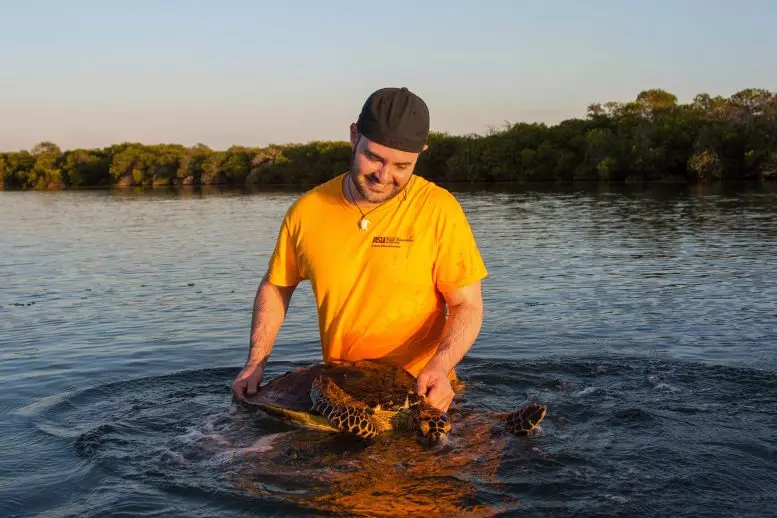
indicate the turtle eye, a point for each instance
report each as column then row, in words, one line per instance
column 423, row 427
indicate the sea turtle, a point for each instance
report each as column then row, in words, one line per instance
column 366, row 398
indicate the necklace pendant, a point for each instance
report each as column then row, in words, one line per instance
column 363, row 224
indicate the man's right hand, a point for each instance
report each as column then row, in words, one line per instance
column 248, row 380
column 270, row 306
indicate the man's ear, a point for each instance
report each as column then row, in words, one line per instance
column 354, row 135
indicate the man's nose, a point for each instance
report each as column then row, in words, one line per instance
column 383, row 174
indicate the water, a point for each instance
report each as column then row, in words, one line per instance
column 644, row 317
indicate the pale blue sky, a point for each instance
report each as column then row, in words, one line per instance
column 95, row 73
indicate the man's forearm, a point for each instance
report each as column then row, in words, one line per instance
column 270, row 306
column 461, row 330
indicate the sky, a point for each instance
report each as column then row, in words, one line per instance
column 88, row 74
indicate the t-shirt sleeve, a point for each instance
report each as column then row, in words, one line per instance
column 284, row 268
column 458, row 262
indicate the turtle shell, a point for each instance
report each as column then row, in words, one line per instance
column 375, row 384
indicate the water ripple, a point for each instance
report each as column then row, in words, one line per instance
column 643, row 315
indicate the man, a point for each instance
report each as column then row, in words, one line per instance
column 386, row 252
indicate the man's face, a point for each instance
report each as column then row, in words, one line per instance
column 379, row 172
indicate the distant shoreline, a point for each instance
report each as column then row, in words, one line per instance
column 649, row 140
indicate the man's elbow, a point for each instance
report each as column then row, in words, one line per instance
column 283, row 292
column 472, row 309
column 468, row 299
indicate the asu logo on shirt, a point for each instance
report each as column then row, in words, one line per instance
column 378, row 293
column 390, row 242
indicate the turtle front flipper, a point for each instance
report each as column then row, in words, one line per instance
column 343, row 412
column 523, row 420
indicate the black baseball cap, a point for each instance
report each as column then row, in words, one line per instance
column 396, row 118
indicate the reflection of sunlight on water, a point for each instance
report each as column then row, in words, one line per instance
column 617, row 433
column 328, row 472
column 390, row 477
column 264, row 444
column 43, row 403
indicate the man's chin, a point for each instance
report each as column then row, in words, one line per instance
column 379, row 196
column 376, row 198
column 373, row 195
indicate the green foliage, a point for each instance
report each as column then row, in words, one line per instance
column 190, row 165
column 18, row 169
column 130, row 164
column 211, row 169
column 85, row 168
column 648, row 139
column 705, row 165
column 46, row 172
column 433, row 163
column 656, row 101
column 304, row 164
column 5, row 171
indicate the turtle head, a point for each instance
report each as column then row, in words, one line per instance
column 432, row 425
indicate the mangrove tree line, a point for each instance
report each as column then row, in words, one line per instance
column 652, row 138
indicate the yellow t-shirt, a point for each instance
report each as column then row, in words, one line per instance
column 378, row 292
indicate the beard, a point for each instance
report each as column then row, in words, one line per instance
column 362, row 183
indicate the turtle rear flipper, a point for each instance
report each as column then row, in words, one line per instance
column 343, row 412
column 523, row 420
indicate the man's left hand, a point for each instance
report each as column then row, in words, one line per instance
column 436, row 386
